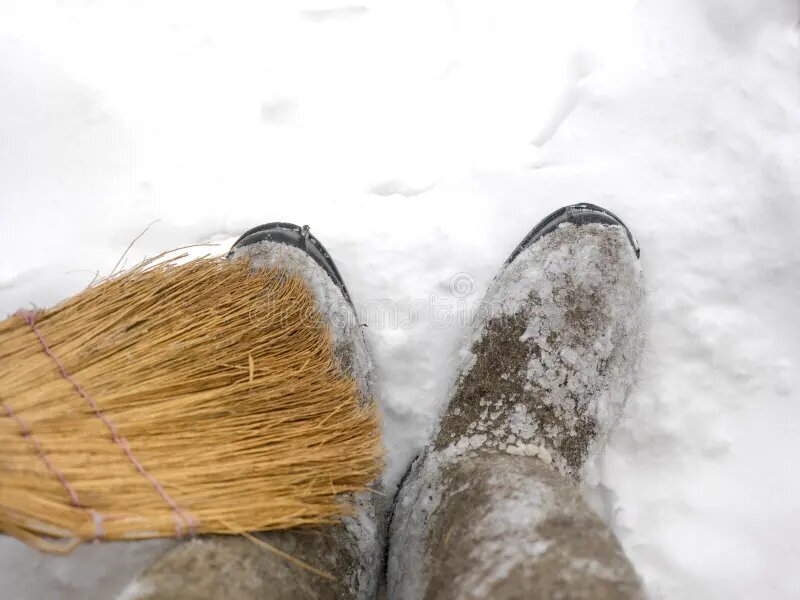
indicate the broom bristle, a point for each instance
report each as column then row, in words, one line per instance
column 177, row 399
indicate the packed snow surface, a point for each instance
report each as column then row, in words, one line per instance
column 421, row 140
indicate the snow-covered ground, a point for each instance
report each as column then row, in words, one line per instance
column 421, row 139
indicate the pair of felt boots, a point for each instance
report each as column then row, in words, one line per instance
column 490, row 509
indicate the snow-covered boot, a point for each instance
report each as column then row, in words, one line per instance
column 231, row 567
column 213, row 567
column 491, row 508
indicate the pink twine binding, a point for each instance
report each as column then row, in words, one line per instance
column 97, row 518
column 181, row 516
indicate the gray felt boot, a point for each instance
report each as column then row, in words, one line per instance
column 491, row 508
column 214, row 567
column 233, row 567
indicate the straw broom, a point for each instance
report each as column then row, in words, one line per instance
column 174, row 400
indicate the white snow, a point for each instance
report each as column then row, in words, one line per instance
column 421, row 140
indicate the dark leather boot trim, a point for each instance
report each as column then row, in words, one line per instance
column 298, row 237
column 577, row 214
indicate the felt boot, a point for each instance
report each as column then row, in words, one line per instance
column 491, row 508
column 233, row 567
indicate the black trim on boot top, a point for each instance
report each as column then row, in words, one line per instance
column 577, row 214
column 298, row 237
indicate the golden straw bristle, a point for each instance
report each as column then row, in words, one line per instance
column 174, row 399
